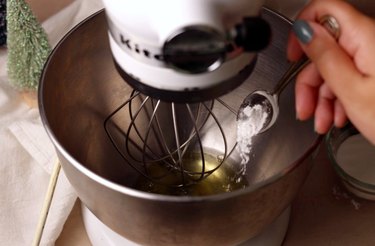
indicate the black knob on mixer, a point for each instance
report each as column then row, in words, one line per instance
column 198, row 49
column 253, row 34
column 195, row 49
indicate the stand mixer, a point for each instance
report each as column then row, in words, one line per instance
column 176, row 60
column 174, row 109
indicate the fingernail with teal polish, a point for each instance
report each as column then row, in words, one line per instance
column 303, row 31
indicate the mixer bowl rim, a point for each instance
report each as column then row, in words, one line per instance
column 141, row 194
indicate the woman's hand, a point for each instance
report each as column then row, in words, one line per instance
column 340, row 81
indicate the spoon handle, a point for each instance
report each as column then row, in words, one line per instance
column 290, row 74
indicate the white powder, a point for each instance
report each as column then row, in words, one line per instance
column 249, row 123
column 339, row 195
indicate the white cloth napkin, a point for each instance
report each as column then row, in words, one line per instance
column 27, row 155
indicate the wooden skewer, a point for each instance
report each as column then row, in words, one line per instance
column 46, row 204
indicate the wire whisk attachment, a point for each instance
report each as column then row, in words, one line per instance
column 168, row 142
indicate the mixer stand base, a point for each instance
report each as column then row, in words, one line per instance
column 100, row 234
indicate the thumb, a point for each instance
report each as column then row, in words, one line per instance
column 335, row 66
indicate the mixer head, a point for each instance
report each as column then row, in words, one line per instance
column 187, row 50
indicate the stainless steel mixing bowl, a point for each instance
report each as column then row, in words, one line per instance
column 80, row 87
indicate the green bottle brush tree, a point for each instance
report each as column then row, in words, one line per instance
column 28, row 46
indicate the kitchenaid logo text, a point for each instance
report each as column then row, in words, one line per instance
column 134, row 47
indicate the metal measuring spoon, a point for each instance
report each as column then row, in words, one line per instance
column 269, row 101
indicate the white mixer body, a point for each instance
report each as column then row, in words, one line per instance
column 139, row 31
